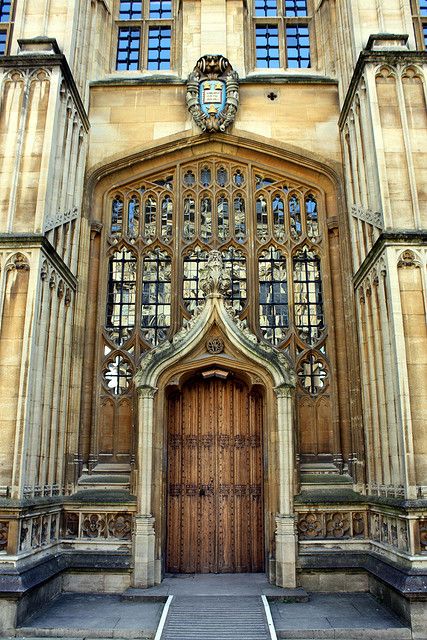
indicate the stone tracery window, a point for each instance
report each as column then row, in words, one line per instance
column 270, row 231
column 165, row 225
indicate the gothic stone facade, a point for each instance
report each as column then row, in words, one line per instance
column 213, row 348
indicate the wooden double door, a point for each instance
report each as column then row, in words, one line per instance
column 215, row 478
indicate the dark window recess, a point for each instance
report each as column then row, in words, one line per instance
column 267, row 46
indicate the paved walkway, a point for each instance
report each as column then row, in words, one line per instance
column 337, row 615
column 210, row 598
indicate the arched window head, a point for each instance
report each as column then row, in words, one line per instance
column 116, row 228
column 311, row 217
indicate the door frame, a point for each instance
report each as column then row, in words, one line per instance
column 167, row 366
column 251, row 386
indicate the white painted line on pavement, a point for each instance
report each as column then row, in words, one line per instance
column 270, row 622
column 163, row 618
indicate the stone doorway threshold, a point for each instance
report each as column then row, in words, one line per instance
column 210, row 584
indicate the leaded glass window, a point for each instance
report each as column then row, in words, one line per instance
column 144, row 35
column 121, row 296
column 194, row 262
column 171, row 221
column 273, row 295
column 6, row 8
column 235, row 265
column 156, row 296
column 419, row 13
column 117, row 216
column 312, row 221
column 150, row 216
column 308, row 297
column 282, row 36
column 133, row 217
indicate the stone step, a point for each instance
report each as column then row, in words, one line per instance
column 216, row 618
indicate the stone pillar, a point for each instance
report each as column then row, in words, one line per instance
column 286, row 543
column 145, row 573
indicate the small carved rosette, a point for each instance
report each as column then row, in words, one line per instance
column 213, row 93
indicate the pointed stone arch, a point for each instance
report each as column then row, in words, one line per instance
column 158, row 368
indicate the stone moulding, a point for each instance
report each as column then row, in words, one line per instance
column 215, row 310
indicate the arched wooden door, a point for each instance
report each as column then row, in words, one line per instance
column 215, row 478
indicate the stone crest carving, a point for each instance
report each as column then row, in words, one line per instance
column 213, row 93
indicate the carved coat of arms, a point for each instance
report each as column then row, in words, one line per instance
column 213, row 93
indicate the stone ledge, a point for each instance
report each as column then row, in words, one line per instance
column 410, row 583
column 16, row 582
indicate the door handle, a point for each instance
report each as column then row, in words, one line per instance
column 202, row 491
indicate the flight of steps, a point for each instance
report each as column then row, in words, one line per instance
column 216, row 618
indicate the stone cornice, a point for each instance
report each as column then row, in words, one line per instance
column 387, row 238
column 24, row 241
column 376, row 57
column 45, row 52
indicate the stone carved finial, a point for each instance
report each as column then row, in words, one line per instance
column 214, row 280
